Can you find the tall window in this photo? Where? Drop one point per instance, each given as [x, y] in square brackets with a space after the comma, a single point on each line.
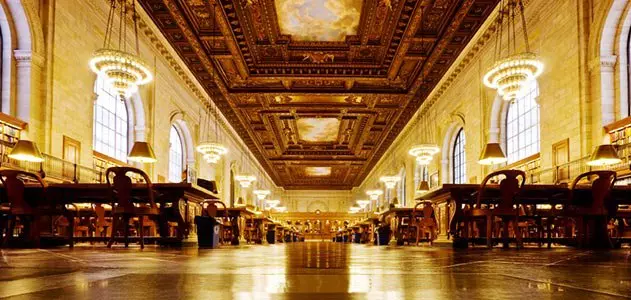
[110, 122]
[522, 125]
[421, 173]
[401, 188]
[459, 161]
[176, 156]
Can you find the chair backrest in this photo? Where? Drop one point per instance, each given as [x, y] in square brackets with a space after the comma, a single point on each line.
[601, 187]
[427, 211]
[121, 186]
[209, 208]
[14, 187]
[509, 187]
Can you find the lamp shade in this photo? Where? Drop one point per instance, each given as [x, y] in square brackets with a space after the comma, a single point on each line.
[26, 150]
[423, 186]
[142, 152]
[604, 155]
[492, 155]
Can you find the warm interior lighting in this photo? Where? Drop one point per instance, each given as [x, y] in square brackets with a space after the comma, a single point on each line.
[423, 186]
[245, 180]
[604, 155]
[512, 71]
[142, 152]
[424, 153]
[123, 70]
[25, 150]
[511, 75]
[492, 155]
[272, 203]
[211, 152]
[355, 208]
[281, 209]
[363, 203]
[390, 181]
[261, 194]
[374, 194]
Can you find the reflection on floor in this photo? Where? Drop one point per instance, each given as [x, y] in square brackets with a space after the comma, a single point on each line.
[314, 271]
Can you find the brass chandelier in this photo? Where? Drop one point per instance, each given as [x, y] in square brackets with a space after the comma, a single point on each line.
[512, 70]
[123, 70]
[212, 151]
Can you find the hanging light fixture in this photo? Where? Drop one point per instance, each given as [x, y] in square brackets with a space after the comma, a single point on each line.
[374, 194]
[604, 155]
[245, 180]
[424, 153]
[390, 181]
[261, 194]
[512, 71]
[280, 209]
[212, 151]
[354, 209]
[272, 203]
[363, 203]
[492, 154]
[123, 70]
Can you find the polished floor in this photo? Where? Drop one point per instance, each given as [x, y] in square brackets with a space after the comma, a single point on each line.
[314, 270]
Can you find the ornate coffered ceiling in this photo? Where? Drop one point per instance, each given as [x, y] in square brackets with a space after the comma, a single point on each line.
[318, 89]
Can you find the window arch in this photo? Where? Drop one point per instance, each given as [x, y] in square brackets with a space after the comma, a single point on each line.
[458, 159]
[111, 134]
[176, 156]
[522, 125]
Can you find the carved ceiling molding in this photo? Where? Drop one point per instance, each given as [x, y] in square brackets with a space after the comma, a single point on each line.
[388, 89]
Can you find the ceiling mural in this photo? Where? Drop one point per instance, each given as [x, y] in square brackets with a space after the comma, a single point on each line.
[318, 171]
[318, 83]
[318, 20]
[318, 129]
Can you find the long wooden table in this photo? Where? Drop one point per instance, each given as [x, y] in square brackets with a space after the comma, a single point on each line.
[237, 217]
[452, 198]
[174, 200]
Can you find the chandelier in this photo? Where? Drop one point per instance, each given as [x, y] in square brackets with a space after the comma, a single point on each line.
[355, 209]
[212, 151]
[390, 181]
[512, 71]
[374, 194]
[272, 203]
[123, 70]
[245, 180]
[363, 203]
[261, 194]
[424, 153]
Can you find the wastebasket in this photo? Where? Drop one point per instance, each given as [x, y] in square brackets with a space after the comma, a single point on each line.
[271, 234]
[207, 232]
[383, 235]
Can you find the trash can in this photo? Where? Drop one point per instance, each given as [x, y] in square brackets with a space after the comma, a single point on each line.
[207, 232]
[357, 239]
[383, 235]
[271, 234]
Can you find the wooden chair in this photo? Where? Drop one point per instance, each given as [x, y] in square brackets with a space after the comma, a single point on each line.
[29, 214]
[505, 208]
[123, 203]
[426, 224]
[102, 223]
[600, 206]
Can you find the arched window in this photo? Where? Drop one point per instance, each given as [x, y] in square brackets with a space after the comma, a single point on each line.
[401, 188]
[522, 125]
[110, 122]
[458, 159]
[176, 156]
[421, 173]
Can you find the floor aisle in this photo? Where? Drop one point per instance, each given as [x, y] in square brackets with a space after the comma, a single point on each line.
[314, 270]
